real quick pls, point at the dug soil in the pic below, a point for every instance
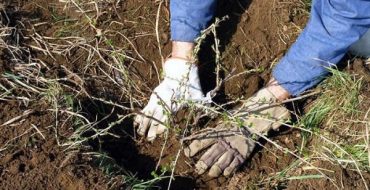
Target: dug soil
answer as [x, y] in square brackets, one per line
[253, 36]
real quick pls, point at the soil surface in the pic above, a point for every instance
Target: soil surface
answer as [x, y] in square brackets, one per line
[33, 154]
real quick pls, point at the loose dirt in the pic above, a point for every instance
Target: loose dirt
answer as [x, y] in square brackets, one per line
[255, 36]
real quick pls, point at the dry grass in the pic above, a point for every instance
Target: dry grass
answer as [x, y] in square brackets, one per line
[31, 79]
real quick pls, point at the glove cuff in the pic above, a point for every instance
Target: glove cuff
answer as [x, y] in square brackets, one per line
[178, 69]
[262, 114]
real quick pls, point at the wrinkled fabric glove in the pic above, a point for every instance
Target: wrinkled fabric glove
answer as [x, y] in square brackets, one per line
[230, 144]
[180, 85]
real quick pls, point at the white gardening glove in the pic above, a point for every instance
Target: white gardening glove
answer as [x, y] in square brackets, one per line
[180, 84]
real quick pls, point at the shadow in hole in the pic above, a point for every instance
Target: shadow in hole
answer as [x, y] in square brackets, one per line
[124, 150]
[179, 183]
[234, 9]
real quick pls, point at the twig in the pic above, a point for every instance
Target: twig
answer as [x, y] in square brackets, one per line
[266, 106]
[38, 131]
[25, 114]
[367, 135]
[178, 155]
[211, 94]
[162, 150]
[157, 31]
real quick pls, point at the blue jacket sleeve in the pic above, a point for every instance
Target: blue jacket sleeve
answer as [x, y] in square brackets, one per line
[189, 18]
[334, 25]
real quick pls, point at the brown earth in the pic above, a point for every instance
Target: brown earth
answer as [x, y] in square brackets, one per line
[255, 36]
[32, 161]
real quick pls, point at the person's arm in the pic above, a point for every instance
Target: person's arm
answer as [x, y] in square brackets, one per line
[333, 27]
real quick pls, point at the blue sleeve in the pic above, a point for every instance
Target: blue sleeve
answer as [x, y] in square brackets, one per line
[189, 18]
[334, 25]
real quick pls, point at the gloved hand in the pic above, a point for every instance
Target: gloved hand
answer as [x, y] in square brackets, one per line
[180, 84]
[230, 144]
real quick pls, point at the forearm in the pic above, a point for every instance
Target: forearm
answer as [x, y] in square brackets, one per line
[334, 26]
[182, 50]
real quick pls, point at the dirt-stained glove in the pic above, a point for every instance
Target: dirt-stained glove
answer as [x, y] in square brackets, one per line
[229, 144]
[180, 84]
